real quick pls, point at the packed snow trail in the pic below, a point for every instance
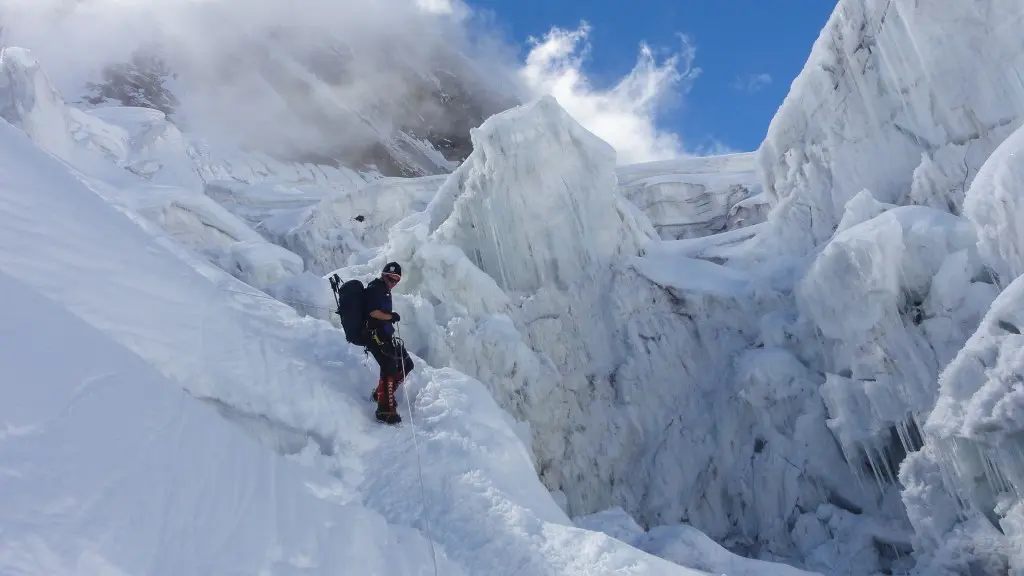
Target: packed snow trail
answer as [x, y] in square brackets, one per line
[290, 381]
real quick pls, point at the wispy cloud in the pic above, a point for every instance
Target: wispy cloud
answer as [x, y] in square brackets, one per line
[752, 82]
[626, 114]
[713, 147]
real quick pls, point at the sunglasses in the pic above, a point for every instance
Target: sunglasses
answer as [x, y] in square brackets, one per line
[394, 278]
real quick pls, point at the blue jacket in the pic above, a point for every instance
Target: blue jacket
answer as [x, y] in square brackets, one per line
[378, 297]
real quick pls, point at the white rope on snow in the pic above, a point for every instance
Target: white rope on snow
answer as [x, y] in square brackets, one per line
[416, 448]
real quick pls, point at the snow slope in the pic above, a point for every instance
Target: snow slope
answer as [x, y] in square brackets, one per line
[108, 467]
[152, 312]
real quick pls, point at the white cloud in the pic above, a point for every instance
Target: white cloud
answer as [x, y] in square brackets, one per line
[624, 115]
[752, 82]
[435, 6]
[371, 55]
[223, 49]
[714, 147]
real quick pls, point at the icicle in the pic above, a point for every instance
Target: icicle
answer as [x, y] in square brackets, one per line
[854, 463]
[871, 452]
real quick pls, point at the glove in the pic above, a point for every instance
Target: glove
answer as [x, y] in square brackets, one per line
[395, 317]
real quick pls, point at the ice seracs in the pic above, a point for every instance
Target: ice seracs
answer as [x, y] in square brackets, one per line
[890, 101]
[529, 280]
[695, 197]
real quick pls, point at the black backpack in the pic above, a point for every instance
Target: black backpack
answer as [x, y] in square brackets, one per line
[351, 299]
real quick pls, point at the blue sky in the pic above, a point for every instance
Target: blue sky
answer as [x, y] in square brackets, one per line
[737, 44]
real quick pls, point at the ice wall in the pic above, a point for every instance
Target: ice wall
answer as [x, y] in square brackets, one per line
[903, 98]
[972, 464]
[29, 102]
[900, 103]
[537, 208]
[893, 298]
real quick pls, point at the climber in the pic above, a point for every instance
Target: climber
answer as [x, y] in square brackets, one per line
[391, 356]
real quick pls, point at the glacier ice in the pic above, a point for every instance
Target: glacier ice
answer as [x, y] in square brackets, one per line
[695, 197]
[793, 385]
[682, 544]
[347, 224]
[993, 206]
[531, 281]
[890, 110]
[889, 101]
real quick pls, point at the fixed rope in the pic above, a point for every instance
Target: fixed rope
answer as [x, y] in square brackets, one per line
[400, 352]
[264, 296]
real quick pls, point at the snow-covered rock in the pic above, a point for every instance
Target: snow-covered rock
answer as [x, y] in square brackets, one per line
[893, 100]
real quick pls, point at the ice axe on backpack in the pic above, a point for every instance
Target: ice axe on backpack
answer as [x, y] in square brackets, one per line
[335, 283]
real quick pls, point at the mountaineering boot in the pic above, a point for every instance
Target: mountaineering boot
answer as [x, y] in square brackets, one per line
[386, 404]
